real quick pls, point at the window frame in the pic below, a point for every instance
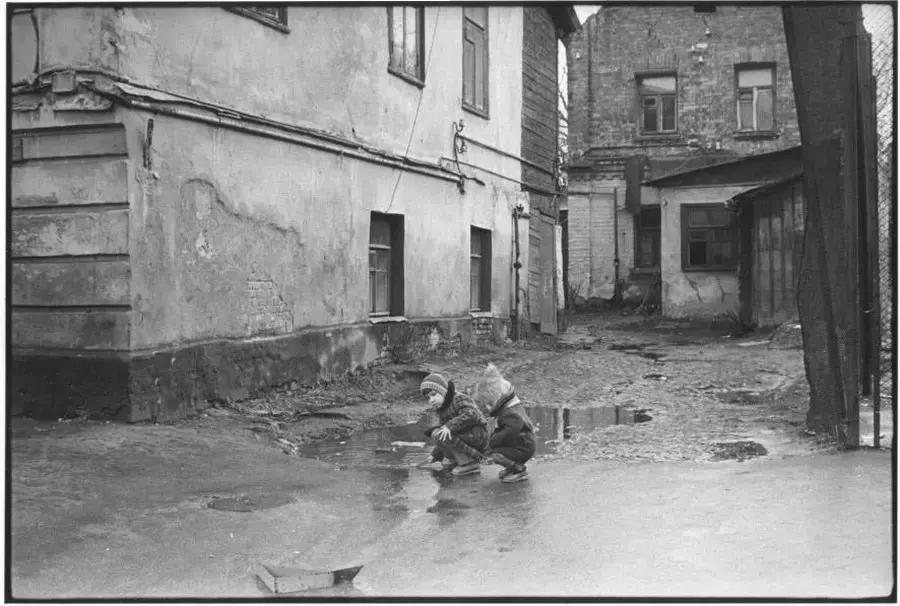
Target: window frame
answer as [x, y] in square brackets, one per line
[419, 78]
[395, 273]
[743, 67]
[484, 32]
[484, 286]
[639, 228]
[639, 79]
[730, 228]
[281, 24]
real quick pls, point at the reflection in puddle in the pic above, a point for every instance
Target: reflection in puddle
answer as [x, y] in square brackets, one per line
[389, 452]
[555, 423]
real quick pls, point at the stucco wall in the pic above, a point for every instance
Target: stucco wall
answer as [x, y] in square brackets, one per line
[328, 72]
[240, 235]
[691, 293]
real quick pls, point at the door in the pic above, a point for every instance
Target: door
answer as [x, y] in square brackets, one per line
[542, 273]
[548, 275]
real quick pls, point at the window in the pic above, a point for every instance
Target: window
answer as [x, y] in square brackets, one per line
[406, 30]
[658, 103]
[755, 98]
[276, 16]
[475, 59]
[647, 228]
[386, 265]
[480, 277]
[707, 237]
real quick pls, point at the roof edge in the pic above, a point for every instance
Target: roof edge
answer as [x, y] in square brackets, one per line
[664, 178]
[564, 18]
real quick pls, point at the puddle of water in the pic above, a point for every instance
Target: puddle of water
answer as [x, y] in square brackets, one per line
[637, 349]
[556, 423]
[246, 503]
[386, 447]
[403, 447]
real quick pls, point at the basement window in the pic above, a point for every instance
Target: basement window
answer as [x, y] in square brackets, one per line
[386, 265]
[707, 238]
[274, 16]
[480, 276]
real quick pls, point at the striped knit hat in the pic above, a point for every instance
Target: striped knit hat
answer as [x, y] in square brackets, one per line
[434, 382]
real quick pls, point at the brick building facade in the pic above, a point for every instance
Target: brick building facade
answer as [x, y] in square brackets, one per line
[655, 90]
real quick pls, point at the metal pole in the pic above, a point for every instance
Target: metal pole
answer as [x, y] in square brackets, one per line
[616, 293]
[516, 265]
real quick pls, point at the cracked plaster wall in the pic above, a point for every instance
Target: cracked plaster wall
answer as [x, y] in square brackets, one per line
[239, 236]
[219, 56]
[691, 293]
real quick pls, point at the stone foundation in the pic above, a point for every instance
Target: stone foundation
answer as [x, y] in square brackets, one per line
[170, 384]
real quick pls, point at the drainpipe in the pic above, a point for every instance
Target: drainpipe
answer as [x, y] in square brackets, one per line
[514, 313]
[616, 293]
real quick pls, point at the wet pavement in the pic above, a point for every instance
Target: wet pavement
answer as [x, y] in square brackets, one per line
[112, 511]
[625, 497]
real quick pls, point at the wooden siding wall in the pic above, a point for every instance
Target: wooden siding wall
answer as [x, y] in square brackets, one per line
[69, 246]
[777, 244]
[540, 118]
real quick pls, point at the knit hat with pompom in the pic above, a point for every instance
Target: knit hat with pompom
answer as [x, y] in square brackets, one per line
[434, 382]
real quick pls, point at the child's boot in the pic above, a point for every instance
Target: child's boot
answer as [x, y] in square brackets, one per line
[511, 475]
[468, 468]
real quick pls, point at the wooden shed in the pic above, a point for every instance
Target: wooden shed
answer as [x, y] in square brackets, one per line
[771, 224]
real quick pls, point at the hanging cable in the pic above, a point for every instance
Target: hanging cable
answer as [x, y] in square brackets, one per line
[412, 130]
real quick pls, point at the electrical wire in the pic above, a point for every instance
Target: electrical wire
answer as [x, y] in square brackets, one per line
[412, 130]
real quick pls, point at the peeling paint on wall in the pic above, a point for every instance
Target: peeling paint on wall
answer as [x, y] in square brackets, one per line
[203, 248]
[264, 309]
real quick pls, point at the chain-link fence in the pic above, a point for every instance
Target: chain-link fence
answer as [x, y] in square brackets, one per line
[879, 22]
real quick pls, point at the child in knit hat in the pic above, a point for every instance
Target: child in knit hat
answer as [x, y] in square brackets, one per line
[461, 437]
[512, 442]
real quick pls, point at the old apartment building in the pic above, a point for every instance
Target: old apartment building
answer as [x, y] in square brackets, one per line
[658, 90]
[202, 208]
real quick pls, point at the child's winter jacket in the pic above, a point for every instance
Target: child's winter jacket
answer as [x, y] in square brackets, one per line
[514, 435]
[465, 421]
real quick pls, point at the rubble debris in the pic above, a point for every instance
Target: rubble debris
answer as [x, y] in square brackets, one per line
[284, 580]
[739, 451]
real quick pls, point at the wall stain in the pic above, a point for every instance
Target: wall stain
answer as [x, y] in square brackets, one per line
[230, 208]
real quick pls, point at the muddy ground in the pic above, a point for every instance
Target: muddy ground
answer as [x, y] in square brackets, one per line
[614, 388]
[688, 391]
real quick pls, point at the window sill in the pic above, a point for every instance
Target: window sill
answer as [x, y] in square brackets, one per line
[643, 271]
[476, 315]
[474, 110]
[709, 270]
[757, 134]
[387, 319]
[260, 18]
[660, 137]
[407, 77]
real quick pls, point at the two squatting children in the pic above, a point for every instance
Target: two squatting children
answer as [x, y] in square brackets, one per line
[462, 440]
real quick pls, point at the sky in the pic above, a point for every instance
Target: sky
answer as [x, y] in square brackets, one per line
[585, 11]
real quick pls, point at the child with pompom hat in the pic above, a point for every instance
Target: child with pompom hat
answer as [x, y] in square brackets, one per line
[512, 442]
